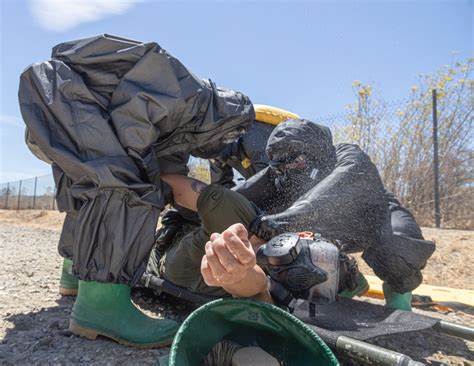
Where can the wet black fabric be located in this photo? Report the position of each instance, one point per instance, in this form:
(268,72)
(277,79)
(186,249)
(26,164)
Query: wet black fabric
(110,113)
(297,137)
(402,221)
(361,320)
(346,201)
(261,190)
(66,203)
(247,156)
(348,205)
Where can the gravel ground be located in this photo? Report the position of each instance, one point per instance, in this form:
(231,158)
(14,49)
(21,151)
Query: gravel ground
(35,317)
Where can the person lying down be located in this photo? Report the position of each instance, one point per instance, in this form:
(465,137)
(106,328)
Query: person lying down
(217,256)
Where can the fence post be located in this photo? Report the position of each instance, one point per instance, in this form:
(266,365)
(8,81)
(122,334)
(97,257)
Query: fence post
(34,193)
(436,161)
(6,198)
(19,196)
(54,198)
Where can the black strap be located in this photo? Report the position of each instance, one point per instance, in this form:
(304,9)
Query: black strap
(280,294)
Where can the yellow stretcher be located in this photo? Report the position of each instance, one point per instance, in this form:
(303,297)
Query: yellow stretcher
(437,294)
(272,115)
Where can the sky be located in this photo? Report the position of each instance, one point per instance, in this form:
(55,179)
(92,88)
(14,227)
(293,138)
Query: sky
(298,55)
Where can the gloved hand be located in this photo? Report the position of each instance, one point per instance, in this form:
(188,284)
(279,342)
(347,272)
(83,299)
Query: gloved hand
(265,228)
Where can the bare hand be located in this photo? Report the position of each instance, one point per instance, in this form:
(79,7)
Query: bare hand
(228,257)
(230,262)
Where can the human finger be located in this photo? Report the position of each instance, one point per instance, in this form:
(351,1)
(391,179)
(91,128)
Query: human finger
(218,271)
(241,249)
(228,260)
(215,236)
(206,273)
(241,232)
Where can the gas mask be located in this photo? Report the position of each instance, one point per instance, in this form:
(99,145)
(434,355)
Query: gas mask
(310,269)
(293,171)
(219,148)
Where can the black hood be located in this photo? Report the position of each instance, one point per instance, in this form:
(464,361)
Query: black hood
(213,150)
(300,136)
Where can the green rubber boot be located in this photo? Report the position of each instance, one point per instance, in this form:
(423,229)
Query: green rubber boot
(396,300)
(106,309)
(361,289)
(68,284)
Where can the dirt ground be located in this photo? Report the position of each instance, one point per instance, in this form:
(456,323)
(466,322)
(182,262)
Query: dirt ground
(451,263)
(34,317)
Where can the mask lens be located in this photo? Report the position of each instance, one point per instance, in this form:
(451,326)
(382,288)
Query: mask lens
(297,162)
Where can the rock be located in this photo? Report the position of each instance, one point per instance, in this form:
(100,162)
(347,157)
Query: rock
(54,325)
(42,343)
(64,333)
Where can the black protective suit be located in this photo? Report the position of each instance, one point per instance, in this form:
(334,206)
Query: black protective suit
(247,156)
(113,114)
(340,195)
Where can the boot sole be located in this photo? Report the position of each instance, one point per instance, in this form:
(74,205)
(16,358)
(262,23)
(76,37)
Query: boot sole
(92,334)
(68,291)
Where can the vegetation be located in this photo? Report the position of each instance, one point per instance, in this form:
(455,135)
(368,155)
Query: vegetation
(399,138)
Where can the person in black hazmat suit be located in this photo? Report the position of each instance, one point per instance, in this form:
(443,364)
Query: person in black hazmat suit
(309,185)
(246,155)
(112,116)
(337,191)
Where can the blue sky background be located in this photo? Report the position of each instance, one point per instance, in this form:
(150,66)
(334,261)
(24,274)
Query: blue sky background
(302,56)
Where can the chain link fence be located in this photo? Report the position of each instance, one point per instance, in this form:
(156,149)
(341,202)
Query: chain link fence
(35,193)
(422,146)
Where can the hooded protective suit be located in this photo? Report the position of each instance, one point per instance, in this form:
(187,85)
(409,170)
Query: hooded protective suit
(339,194)
(112,115)
(345,192)
(247,156)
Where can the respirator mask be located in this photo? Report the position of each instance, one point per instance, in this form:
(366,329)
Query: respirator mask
(293,170)
(221,147)
(310,269)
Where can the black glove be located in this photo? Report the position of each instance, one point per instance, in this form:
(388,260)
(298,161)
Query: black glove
(265,228)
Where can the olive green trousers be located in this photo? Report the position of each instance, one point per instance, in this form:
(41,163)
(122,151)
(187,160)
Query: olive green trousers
(218,208)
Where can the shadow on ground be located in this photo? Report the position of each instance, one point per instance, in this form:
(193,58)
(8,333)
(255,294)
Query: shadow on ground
(41,337)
